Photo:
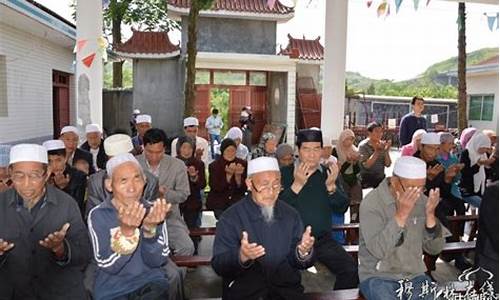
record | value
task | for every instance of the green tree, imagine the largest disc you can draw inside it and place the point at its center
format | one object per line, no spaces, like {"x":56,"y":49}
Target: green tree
{"x":189,"y":87}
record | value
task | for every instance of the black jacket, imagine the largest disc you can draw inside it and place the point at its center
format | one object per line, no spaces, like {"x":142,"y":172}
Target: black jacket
{"x":468,"y":172}
{"x":77,"y":186}
{"x":102,"y":158}
{"x":85,"y":155}
{"x":273,"y":276}
{"x":30,"y":271}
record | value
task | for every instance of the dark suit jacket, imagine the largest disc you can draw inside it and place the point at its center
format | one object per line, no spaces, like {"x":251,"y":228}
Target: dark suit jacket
{"x":102,"y":158}
{"x":85,"y":155}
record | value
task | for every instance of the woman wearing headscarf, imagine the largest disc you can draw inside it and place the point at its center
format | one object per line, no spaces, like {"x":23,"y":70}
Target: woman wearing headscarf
{"x":236,"y":135}
{"x":475,"y":159}
{"x":267,"y":147}
{"x":347,"y":157}
{"x":492,"y":170}
{"x":285,"y":155}
{"x":465,"y":137}
{"x":227,"y":176}
{"x":191,"y":208}
{"x":413,"y":147}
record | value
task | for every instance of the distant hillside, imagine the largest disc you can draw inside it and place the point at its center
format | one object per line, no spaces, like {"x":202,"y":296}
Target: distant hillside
{"x":432,"y":83}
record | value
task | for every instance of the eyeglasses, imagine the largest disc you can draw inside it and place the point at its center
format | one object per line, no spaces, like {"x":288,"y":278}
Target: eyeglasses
{"x":267,"y":188}
{"x":423,"y":189}
{"x":33,"y":177}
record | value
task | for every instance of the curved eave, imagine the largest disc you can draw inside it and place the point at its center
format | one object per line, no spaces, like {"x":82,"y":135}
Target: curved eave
{"x":177,"y":12}
{"x":149,"y":55}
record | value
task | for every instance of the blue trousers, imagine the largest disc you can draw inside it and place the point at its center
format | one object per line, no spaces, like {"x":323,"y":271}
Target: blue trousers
{"x":377,"y":288}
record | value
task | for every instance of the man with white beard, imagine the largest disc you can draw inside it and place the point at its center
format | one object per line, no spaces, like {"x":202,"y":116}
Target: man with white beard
{"x":260,"y":245}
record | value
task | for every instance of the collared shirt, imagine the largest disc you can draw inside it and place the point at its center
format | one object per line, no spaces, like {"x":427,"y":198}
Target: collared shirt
{"x":214,"y":124}
{"x":387,"y":250}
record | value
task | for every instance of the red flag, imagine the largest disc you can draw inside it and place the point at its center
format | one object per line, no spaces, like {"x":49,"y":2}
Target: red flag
{"x":87,"y":61}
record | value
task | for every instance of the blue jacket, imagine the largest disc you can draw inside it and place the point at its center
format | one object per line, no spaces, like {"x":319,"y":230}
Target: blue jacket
{"x":118,"y":275}
{"x":409,"y":124}
{"x":276,"y":274}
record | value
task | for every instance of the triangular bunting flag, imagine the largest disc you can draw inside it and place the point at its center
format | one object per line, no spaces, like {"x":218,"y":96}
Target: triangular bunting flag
{"x":428,"y":1}
{"x":369,"y":3}
{"x":388,"y":10}
{"x":79,"y":45}
{"x":415,"y":4}
{"x":87,"y":61}
{"x":381,"y":9}
{"x":398,"y":4}
{"x":491,"y":22}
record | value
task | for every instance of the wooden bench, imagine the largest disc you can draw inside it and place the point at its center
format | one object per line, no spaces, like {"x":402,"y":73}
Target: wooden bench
{"x":202,"y":231}
{"x":347,"y":294}
{"x":449,"y":248}
{"x":191,"y":261}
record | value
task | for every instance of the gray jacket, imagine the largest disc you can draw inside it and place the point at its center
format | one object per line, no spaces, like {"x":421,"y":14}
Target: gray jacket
{"x":387,"y":250}
{"x":97,"y":192}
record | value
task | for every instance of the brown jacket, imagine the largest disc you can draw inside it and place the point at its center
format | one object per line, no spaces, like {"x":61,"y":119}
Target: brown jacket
{"x":222,"y":193}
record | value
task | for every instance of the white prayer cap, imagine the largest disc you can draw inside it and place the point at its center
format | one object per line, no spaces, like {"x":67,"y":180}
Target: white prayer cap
{"x":410,"y":167}
{"x":93,"y":128}
{"x":4,"y":155}
{"x":143,"y":119}
{"x":67,"y":129}
{"x":118,"y":144}
{"x":430,"y":138}
{"x":28,"y":153}
{"x":118,"y":160}
{"x":191,"y":121}
{"x":234,"y":133}
{"x":262,"y":164}
{"x":54,"y":145}
{"x":136,"y":111}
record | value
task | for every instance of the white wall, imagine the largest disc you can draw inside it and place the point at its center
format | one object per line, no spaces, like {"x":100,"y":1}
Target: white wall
{"x":484,"y":84}
{"x":29,"y":63}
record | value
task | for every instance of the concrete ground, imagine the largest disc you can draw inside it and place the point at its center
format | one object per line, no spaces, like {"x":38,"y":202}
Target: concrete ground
{"x":203,"y":283}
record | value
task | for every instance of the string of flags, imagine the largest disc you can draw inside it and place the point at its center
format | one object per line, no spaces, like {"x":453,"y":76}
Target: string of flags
{"x":491,"y":21}
{"x":88,"y":59}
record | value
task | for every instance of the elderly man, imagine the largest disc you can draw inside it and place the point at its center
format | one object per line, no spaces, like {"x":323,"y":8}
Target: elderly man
{"x":315,"y":192}
{"x":95,"y":146}
{"x":5,"y":181}
{"x":129,"y":236}
{"x":191,"y":129}
{"x":397,"y":222}
{"x":142,"y":124}
{"x":260,"y":244}
{"x":70,"y":137}
{"x":115,"y":145}
{"x":63,"y":176}
{"x":174,"y":185}
{"x":43,"y":241}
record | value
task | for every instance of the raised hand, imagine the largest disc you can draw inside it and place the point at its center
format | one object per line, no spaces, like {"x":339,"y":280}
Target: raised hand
{"x":388,"y":145}
{"x":131,"y":217}
{"x":61,"y":180}
{"x":432,"y":172}
{"x":230,"y":169}
{"x":333,"y":172}
{"x":302,"y":173}
{"x":192,"y":172}
{"x":306,"y":243}
{"x":5,"y":246}
{"x":157,"y":214}
{"x":430,"y":207}
{"x":54,"y":241}
{"x":249,"y":251}
{"x":406,"y":203}
{"x":163,"y":191}
{"x":239,"y":169}
{"x":198,"y":153}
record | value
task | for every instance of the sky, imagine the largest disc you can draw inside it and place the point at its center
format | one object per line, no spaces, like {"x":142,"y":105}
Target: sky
{"x":397,"y":47}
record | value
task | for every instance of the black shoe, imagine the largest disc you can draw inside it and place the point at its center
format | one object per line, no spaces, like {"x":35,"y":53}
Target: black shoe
{"x":461,"y":263}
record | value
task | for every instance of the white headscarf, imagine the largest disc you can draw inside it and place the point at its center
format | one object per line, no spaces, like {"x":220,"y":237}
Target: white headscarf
{"x":478,"y":140}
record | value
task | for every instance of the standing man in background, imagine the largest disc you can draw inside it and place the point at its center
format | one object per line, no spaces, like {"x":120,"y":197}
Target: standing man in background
{"x":214,"y":124}
{"x":412,"y":121}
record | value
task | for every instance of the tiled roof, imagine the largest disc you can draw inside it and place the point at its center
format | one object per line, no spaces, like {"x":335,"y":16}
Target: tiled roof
{"x":148,"y":42}
{"x":243,"y":6}
{"x":303,"y":49}
{"x":489,"y":61}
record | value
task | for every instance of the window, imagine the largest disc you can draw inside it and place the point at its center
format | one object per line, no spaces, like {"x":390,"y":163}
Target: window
{"x":230,"y":78}
{"x":3,"y":87}
{"x":481,"y":107}
{"x":258,"y":78}
{"x":202,"y":77}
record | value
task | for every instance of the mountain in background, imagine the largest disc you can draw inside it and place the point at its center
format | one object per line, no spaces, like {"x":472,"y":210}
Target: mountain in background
{"x":435,"y":82}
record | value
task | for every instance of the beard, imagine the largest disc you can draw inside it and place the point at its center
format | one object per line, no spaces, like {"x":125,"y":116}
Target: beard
{"x":267,"y":213}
